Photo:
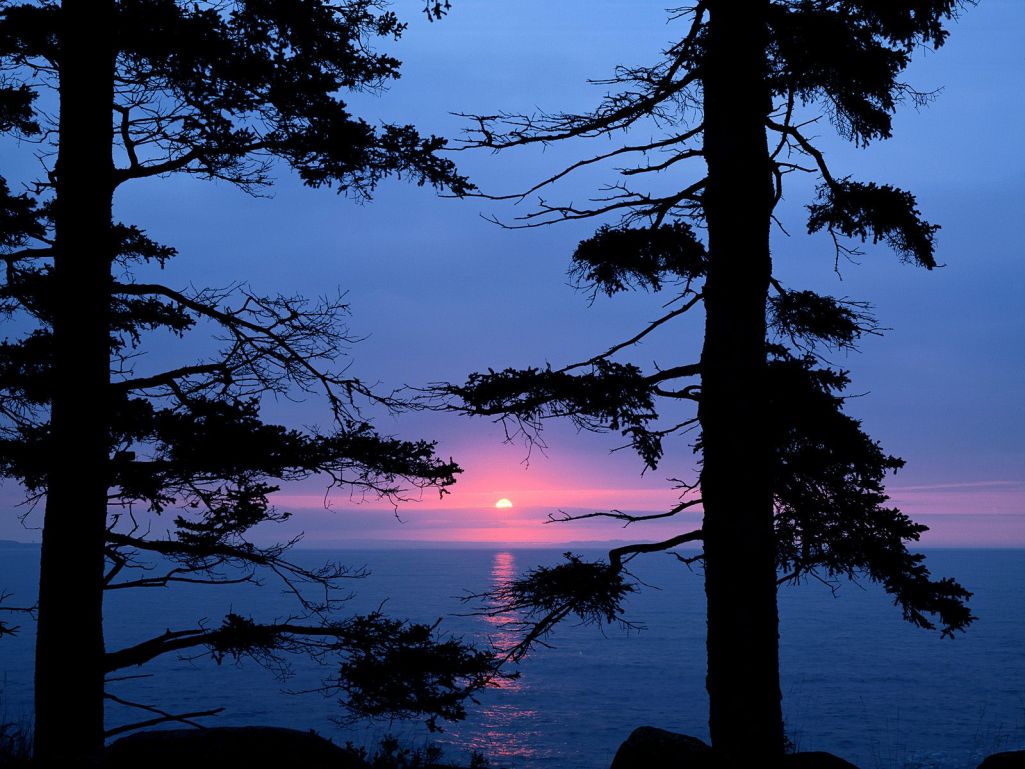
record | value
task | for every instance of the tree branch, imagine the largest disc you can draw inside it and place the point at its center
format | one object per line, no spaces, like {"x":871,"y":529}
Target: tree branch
{"x":616,"y":554}
{"x":179,"y":640}
{"x":676,"y":372}
{"x":641,"y":148}
{"x":167,"y":377}
{"x":619,"y":515}
{"x":637,"y":337}
{"x":162,"y":716}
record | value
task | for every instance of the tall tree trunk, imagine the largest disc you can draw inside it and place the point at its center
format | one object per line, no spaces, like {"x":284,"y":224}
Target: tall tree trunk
{"x":745,"y":717}
{"x":69,"y":646}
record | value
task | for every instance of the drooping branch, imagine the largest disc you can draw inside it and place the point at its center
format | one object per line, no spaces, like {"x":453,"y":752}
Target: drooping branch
{"x":880,"y":212}
{"x":859,"y":210}
{"x":275,"y":330}
{"x":536,"y":602}
{"x":384,"y":667}
{"x":831,"y":513}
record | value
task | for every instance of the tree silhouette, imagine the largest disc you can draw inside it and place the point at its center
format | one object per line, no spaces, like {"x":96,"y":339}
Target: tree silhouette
{"x":151,"y":88}
{"x":790,"y":485}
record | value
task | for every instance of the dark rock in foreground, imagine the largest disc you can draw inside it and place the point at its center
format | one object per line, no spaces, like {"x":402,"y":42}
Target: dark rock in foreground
{"x":651,"y":748}
{"x":815,"y":759}
{"x":1014,"y":759}
{"x":217,"y":748}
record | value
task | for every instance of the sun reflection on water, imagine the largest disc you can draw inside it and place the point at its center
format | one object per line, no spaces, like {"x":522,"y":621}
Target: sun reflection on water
{"x":503,"y":632}
{"x":506,"y":729}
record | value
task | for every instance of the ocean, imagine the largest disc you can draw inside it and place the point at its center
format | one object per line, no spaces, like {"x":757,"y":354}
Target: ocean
{"x":857,"y":680}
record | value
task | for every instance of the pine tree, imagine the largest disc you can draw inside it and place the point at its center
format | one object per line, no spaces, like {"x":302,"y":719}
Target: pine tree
{"x":789,"y":484}
{"x":178,"y":465}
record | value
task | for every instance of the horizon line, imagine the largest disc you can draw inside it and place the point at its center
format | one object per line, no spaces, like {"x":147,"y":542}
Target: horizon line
{"x":411,"y":544}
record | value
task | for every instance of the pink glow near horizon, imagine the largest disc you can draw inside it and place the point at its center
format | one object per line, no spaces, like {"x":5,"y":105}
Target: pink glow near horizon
{"x":968,"y":513}
{"x":990,"y":514}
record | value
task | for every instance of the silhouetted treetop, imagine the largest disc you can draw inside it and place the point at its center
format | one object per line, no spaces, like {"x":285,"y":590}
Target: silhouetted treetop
{"x":845,"y":58}
{"x":157,"y":469}
{"x":700,"y":145}
{"x":850,"y":55}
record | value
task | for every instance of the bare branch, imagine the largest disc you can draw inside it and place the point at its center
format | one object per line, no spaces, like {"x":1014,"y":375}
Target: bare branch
{"x":629,"y":518}
{"x":616,"y":555}
{"x":638,"y":206}
{"x":628,"y":149}
{"x":162,"y":716}
{"x":168,"y":579}
{"x":165,"y":378}
{"x":676,"y":372}
{"x":807,"y":147}
{"x":637,"y":337}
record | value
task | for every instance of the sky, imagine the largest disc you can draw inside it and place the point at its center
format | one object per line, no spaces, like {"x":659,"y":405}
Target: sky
{"x":436,"y":291}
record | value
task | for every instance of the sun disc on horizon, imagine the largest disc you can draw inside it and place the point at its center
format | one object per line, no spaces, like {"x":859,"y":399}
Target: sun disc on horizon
{"x":503,"y":502}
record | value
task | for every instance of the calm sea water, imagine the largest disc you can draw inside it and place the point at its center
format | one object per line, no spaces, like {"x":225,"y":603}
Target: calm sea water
{"x":857,"y":680}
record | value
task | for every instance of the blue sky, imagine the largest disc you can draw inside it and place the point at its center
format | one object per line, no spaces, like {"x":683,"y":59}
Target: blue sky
{"x":438,"y":292}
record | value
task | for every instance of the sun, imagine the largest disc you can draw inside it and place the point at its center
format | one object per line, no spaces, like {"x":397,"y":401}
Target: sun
{"x":503,"y":502}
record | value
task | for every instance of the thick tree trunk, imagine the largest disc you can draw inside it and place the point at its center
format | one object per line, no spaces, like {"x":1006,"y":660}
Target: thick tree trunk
{"x":69,"y":647}
{"x":740,"y":577}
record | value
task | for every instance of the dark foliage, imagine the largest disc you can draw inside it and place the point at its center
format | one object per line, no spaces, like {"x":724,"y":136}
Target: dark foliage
{"x":620,"y":259}
{"x":805,"y":318}
{"x":591,"y":592}
{"x":392,"y":668}
{"x":610,"y":396}
{"x":831,"y":513}
{"x":879,"y":212}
